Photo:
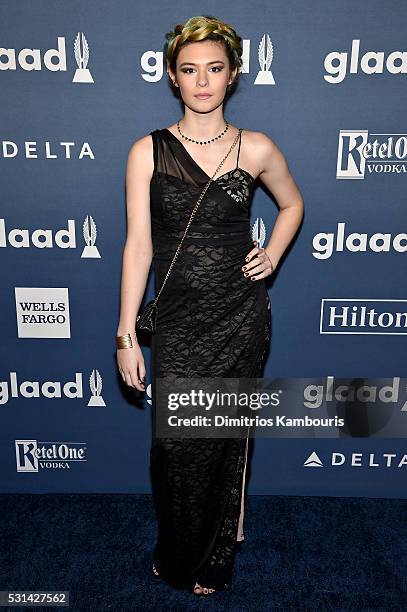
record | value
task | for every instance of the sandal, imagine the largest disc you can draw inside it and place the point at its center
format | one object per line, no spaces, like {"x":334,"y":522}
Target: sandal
{"x":198,"y":589}
{"x":155,"y":573}
{"x":205,"y":591}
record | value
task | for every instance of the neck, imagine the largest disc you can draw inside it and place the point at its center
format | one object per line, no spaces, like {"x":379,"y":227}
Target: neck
{"x":202,"y":130}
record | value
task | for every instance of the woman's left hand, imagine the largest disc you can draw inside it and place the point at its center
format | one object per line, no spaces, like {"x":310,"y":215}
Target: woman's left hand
{"x":258,"y":264}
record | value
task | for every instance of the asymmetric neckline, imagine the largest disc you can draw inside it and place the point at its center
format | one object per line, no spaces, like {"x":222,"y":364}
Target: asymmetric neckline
{"x":199,"y":167}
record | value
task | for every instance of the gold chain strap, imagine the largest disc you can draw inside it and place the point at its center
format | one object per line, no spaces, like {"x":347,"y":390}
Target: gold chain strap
{"x":194,"y":211}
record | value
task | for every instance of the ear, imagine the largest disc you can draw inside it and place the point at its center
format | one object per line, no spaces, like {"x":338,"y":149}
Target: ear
{"x":233,"y":75}
{"x":171,"y":75}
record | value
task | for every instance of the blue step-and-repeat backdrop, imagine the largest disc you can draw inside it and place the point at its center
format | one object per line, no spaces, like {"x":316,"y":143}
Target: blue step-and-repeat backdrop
{"x":80,"y":82}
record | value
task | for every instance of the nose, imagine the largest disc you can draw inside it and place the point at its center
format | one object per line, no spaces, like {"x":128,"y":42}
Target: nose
{"x":202,"y":79}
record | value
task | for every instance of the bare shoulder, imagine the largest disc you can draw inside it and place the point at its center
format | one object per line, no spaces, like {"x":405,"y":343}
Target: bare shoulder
{"x":140,"y":157}
{"x":262,"y":148}
{"x":259,"y":142}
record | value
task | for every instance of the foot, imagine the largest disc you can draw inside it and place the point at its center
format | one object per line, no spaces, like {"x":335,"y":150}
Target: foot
{"x":200,"y":590}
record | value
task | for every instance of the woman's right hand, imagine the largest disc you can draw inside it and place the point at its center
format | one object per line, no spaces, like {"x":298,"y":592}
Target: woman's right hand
{"x":131,"y":366}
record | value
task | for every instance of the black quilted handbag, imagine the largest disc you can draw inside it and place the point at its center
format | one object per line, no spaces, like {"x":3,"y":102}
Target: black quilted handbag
{"x":147,"y":318}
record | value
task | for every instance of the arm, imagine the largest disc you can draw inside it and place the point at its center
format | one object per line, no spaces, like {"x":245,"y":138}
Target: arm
{"x":137,"y":255}
{"x":276,"y":176}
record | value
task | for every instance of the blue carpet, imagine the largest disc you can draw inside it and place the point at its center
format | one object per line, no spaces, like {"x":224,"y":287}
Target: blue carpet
{"x":300,"y":553}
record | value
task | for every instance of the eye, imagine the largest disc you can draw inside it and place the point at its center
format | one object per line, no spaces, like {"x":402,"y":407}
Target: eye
{"x":216,"y":68}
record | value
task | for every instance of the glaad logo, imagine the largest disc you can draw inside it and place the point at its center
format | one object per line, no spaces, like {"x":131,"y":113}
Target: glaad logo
{"x":359,"y":316}
{"x":342,"y":393}
{"x":31,"y":455}
{"x":265,"y":57}
{"x":82,"y":74}
{"x":19,"y":238}
{"x":152,"y":62}
{"x":386,"y":460}
{"x":95,"y":383}
{"x":372,"y":62}
{"x":42,"y":312}
{"x":89,"y":235}
{"x":51,"y":389}
{"x":382,"y":154}
{"x":259,"y":232}
{"x":53,"y":59}
{"x":326,"y":243}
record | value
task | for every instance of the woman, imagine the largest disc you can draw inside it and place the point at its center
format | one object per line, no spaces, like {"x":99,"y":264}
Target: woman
{"x":214,"y":314}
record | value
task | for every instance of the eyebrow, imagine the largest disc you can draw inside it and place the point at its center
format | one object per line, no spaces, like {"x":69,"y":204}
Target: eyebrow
{"x":208,"y":63}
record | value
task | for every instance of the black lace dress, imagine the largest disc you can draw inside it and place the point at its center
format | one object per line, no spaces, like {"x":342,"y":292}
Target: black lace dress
{"x":212,"y":322}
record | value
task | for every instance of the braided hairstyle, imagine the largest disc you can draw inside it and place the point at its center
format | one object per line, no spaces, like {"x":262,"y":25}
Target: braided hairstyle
{"x":204,"y":27}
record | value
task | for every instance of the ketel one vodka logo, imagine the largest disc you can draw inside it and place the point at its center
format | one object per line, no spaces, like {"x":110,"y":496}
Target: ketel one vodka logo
{"x":360,"y":152}
{"x":81,"y":49}
{"x":31,"y":455}
{"x":89,"y":236}
{"x":259,"y":232}
{"x":95,"y":383}
{"x":265,"y":56}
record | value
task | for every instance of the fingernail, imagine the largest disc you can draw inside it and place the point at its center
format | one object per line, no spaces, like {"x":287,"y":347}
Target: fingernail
{"x":247,"y":258}
{"x":253,"y":278}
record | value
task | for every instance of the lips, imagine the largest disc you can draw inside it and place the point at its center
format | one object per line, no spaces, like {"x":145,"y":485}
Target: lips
{"x":203,"y":96}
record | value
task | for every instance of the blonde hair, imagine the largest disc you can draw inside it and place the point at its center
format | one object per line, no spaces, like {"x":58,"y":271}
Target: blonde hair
{"x":204,"y":27}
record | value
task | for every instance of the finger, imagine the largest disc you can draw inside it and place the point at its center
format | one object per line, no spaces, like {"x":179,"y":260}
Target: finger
{"x":252,"y":253}
{"x":137,"y":383}
{"x":264,"y":257}
{"x":255,"y":270}
{"x":141,"y":372}
{"x":127,"y":379}
{"x":254,"y":262}
{"x":258,"y":276}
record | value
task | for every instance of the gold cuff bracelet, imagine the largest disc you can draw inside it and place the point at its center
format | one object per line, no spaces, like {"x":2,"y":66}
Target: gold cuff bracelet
{"x":124,"y":341}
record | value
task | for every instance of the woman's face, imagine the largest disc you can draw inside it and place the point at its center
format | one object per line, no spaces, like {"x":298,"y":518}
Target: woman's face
{"x":203,"y":68}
